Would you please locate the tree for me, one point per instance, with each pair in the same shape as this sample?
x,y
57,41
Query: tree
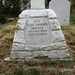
x,y
1,6
12,7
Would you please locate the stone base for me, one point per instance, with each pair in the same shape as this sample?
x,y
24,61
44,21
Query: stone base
x,y
51,44
36,60
53,54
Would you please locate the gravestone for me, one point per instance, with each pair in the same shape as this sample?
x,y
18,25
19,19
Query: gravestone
x,y
37,4
38,34
62,9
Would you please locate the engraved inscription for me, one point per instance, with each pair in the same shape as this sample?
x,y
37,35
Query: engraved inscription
x,y
37,31
37,28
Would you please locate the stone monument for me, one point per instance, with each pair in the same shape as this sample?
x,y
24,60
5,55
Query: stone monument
x,y
62,9
39,34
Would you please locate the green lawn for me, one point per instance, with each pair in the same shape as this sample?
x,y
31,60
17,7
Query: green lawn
x,y
10,23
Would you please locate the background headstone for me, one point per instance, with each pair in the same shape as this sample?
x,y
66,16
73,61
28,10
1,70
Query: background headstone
x,y
37,4
62,9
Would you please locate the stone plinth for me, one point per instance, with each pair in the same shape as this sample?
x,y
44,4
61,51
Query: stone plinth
x,y
39,35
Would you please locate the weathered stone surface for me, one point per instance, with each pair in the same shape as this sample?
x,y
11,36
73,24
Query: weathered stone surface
x,y
29,58
40,53
51,14
58,54
37,4
24,14
36,13
55,25
62,9
18,46
21,23
57,36
19,36
20,54
38,31
59,45
56,46
36,48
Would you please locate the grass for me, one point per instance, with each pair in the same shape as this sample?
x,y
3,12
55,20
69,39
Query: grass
x,y
10,23
6,37
50,67
30,72
69,33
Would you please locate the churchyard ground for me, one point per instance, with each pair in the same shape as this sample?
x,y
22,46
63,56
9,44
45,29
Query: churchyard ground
x,y
49,67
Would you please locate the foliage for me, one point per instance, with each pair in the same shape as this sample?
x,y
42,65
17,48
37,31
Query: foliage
x,y
1,7
2,19
72,18
12,7
72,3
47,4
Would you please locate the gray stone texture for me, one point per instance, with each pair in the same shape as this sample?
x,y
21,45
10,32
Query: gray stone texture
x,y
62,9
47,40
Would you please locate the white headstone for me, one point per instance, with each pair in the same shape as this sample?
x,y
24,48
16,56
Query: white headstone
x,y
62,9
37,4
39,34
